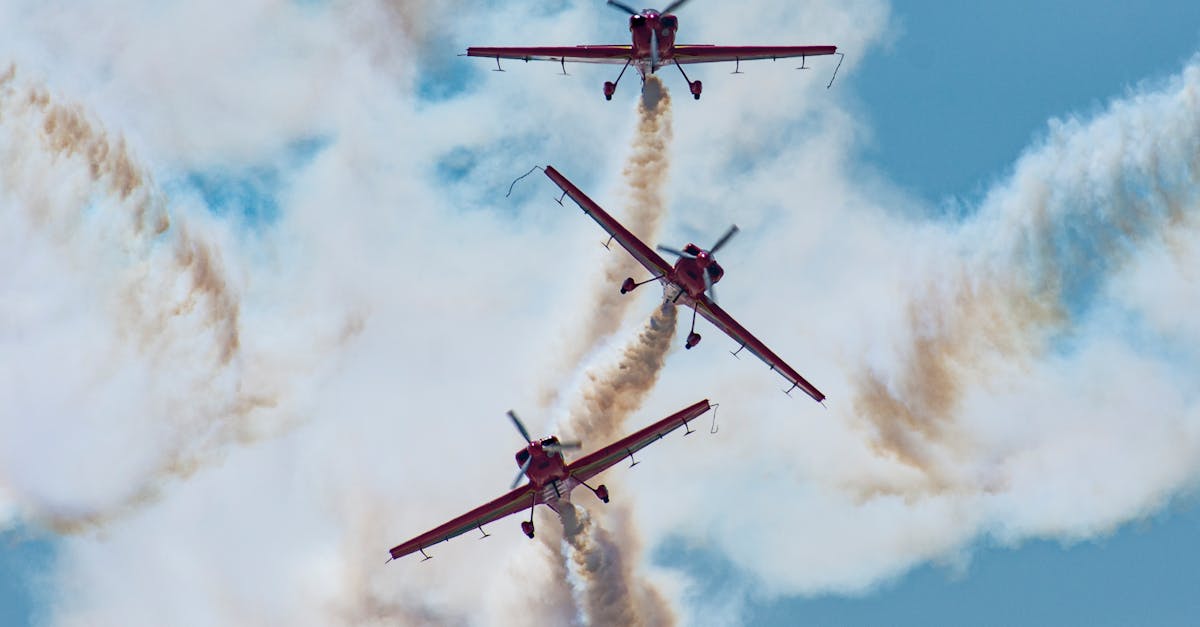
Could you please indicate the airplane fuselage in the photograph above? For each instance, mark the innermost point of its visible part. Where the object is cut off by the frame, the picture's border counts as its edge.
(688, 274)
(653, 39)
(546, 467)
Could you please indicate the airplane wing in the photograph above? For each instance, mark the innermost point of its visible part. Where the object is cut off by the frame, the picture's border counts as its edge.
(595, 462)
(643, 253)
(725, 322)
(694, 53)
(574, 54)
(515, 501)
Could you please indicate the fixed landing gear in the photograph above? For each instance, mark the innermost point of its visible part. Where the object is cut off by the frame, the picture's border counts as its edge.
(610, 87)
(693, 338)
(527, 527)
(601, 492)
(693, 86)
(629, 285)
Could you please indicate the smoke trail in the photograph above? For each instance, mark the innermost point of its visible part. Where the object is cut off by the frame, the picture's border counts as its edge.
(163, 356)
(610, 591)
(1077, 210)
(645, 174)
(610, 396)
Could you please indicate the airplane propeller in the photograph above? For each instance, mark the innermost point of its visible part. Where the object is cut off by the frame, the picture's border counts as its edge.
(521, 473)
(624, 7)
(724, 239)
(674, 5)
(674, 251)
(708, 282)
(570, 445)
(630, 10)
(520, 427)
(708, 287)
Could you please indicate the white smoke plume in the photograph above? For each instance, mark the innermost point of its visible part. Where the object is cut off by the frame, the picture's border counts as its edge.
(1078, 211)
(1031, 380)
(164, 319)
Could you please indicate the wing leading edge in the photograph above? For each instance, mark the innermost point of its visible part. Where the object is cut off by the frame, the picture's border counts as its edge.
(640, 251)
(515, 501)
(725, 322)
(572, 54)
(596, 462)
(693, 53)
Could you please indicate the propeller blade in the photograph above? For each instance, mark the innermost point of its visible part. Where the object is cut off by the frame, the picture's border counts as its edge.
(672, 251)
(724, 239)
(674, 5)
(708, 287)
(520, 427)
(521, 473)
(569, 445)
(624, 7)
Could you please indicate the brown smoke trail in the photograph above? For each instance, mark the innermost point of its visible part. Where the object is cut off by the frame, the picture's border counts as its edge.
(612, 394)
(589, 550)
(162, 283)
(1078, 210)
(646, 175)
(956, 335)
(612, 593)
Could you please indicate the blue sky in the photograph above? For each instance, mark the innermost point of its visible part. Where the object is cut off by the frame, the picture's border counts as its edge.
(960, 93)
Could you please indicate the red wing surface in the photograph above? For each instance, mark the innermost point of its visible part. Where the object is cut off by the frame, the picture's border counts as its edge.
(715, 54)
(726, 323)
(572, 54)
(643, 253)
(596, 462)
(515, 501)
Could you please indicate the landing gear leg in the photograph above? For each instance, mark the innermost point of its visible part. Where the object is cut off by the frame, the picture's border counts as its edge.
(600, 492)
(629, 285)
(610, 88)
(694, 86)
(693, 338)
(527, 525)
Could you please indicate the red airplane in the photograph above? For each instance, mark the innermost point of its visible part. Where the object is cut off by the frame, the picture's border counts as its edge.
(551, 479)
(653, 34)
(690, 281)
